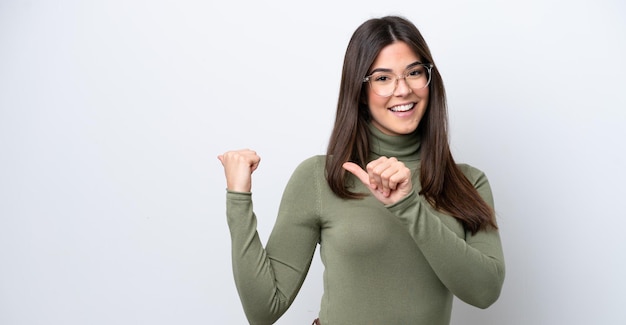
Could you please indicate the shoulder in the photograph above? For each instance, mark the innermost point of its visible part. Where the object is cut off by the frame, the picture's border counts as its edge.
(479, 180)
(312, 163)
(472, 173)
(311, 166)
(308, 174)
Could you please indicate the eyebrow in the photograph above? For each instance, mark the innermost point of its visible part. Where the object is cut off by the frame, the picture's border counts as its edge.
(389, 70)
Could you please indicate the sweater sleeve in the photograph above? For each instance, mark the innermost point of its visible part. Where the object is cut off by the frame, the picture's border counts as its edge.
(268, 279)
(472, 268)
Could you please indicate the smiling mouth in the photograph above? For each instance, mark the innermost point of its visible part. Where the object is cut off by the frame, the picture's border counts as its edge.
(402, 108)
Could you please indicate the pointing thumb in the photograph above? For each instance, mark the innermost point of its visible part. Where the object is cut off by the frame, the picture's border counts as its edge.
(357, 171)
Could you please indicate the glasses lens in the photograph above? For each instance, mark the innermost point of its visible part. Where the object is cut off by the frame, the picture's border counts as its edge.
(418, 77)
(384, 83)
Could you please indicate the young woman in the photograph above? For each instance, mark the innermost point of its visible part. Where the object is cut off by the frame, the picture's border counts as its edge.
(401, 227)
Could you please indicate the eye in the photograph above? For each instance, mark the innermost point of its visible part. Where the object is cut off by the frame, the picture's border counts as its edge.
(382, 78)
(416, 72)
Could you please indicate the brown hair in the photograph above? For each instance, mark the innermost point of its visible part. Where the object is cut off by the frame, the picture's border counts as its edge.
(444, 186)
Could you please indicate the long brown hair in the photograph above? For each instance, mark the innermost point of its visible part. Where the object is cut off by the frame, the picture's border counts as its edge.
(444, 186)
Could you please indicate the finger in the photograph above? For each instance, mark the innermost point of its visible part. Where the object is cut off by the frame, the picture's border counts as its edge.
(393, 180)
(238, 168)
(357, 171)
(245, 156)
(387, 184)
(387, 173)
(399, 177)
(374, 179)
(256, 160)
(238, 163)
(252, 158)
(375, 170)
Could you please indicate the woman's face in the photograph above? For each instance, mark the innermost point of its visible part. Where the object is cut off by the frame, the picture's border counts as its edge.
(401, 112)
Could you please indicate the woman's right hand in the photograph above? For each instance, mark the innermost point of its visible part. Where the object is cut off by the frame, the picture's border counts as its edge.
(238, 167)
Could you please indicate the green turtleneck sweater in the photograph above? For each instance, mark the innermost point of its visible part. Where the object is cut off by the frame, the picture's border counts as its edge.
(395, 264)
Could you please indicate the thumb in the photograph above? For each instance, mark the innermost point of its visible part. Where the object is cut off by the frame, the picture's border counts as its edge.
(357, 171)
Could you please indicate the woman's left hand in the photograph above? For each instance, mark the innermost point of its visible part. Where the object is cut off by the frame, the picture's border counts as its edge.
(388, 179)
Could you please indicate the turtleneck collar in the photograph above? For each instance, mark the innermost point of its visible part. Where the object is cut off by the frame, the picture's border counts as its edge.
(404, 147)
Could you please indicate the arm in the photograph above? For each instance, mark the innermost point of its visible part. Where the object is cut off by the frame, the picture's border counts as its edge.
(472, 267)
(269, 279)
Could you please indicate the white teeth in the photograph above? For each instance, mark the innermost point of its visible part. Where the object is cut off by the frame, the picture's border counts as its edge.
(402, 108)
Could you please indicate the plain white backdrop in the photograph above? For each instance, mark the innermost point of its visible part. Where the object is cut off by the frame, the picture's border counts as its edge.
(112, 113)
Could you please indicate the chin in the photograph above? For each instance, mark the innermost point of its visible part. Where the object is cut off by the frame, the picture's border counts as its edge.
(408, 129)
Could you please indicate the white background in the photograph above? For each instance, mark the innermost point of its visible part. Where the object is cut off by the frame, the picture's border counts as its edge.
(112, 113)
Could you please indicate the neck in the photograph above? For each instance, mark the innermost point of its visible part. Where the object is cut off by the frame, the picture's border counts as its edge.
(403, 147)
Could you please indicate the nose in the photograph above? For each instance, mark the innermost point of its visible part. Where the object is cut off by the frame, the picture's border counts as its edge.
(402, 87)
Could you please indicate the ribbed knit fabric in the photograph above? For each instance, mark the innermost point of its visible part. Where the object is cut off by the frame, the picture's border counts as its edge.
(384, 265)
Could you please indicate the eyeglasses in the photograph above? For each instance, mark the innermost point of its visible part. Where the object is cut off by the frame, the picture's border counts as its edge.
(385, 83)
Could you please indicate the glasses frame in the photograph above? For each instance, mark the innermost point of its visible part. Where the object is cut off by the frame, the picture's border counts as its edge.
(428, 66)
